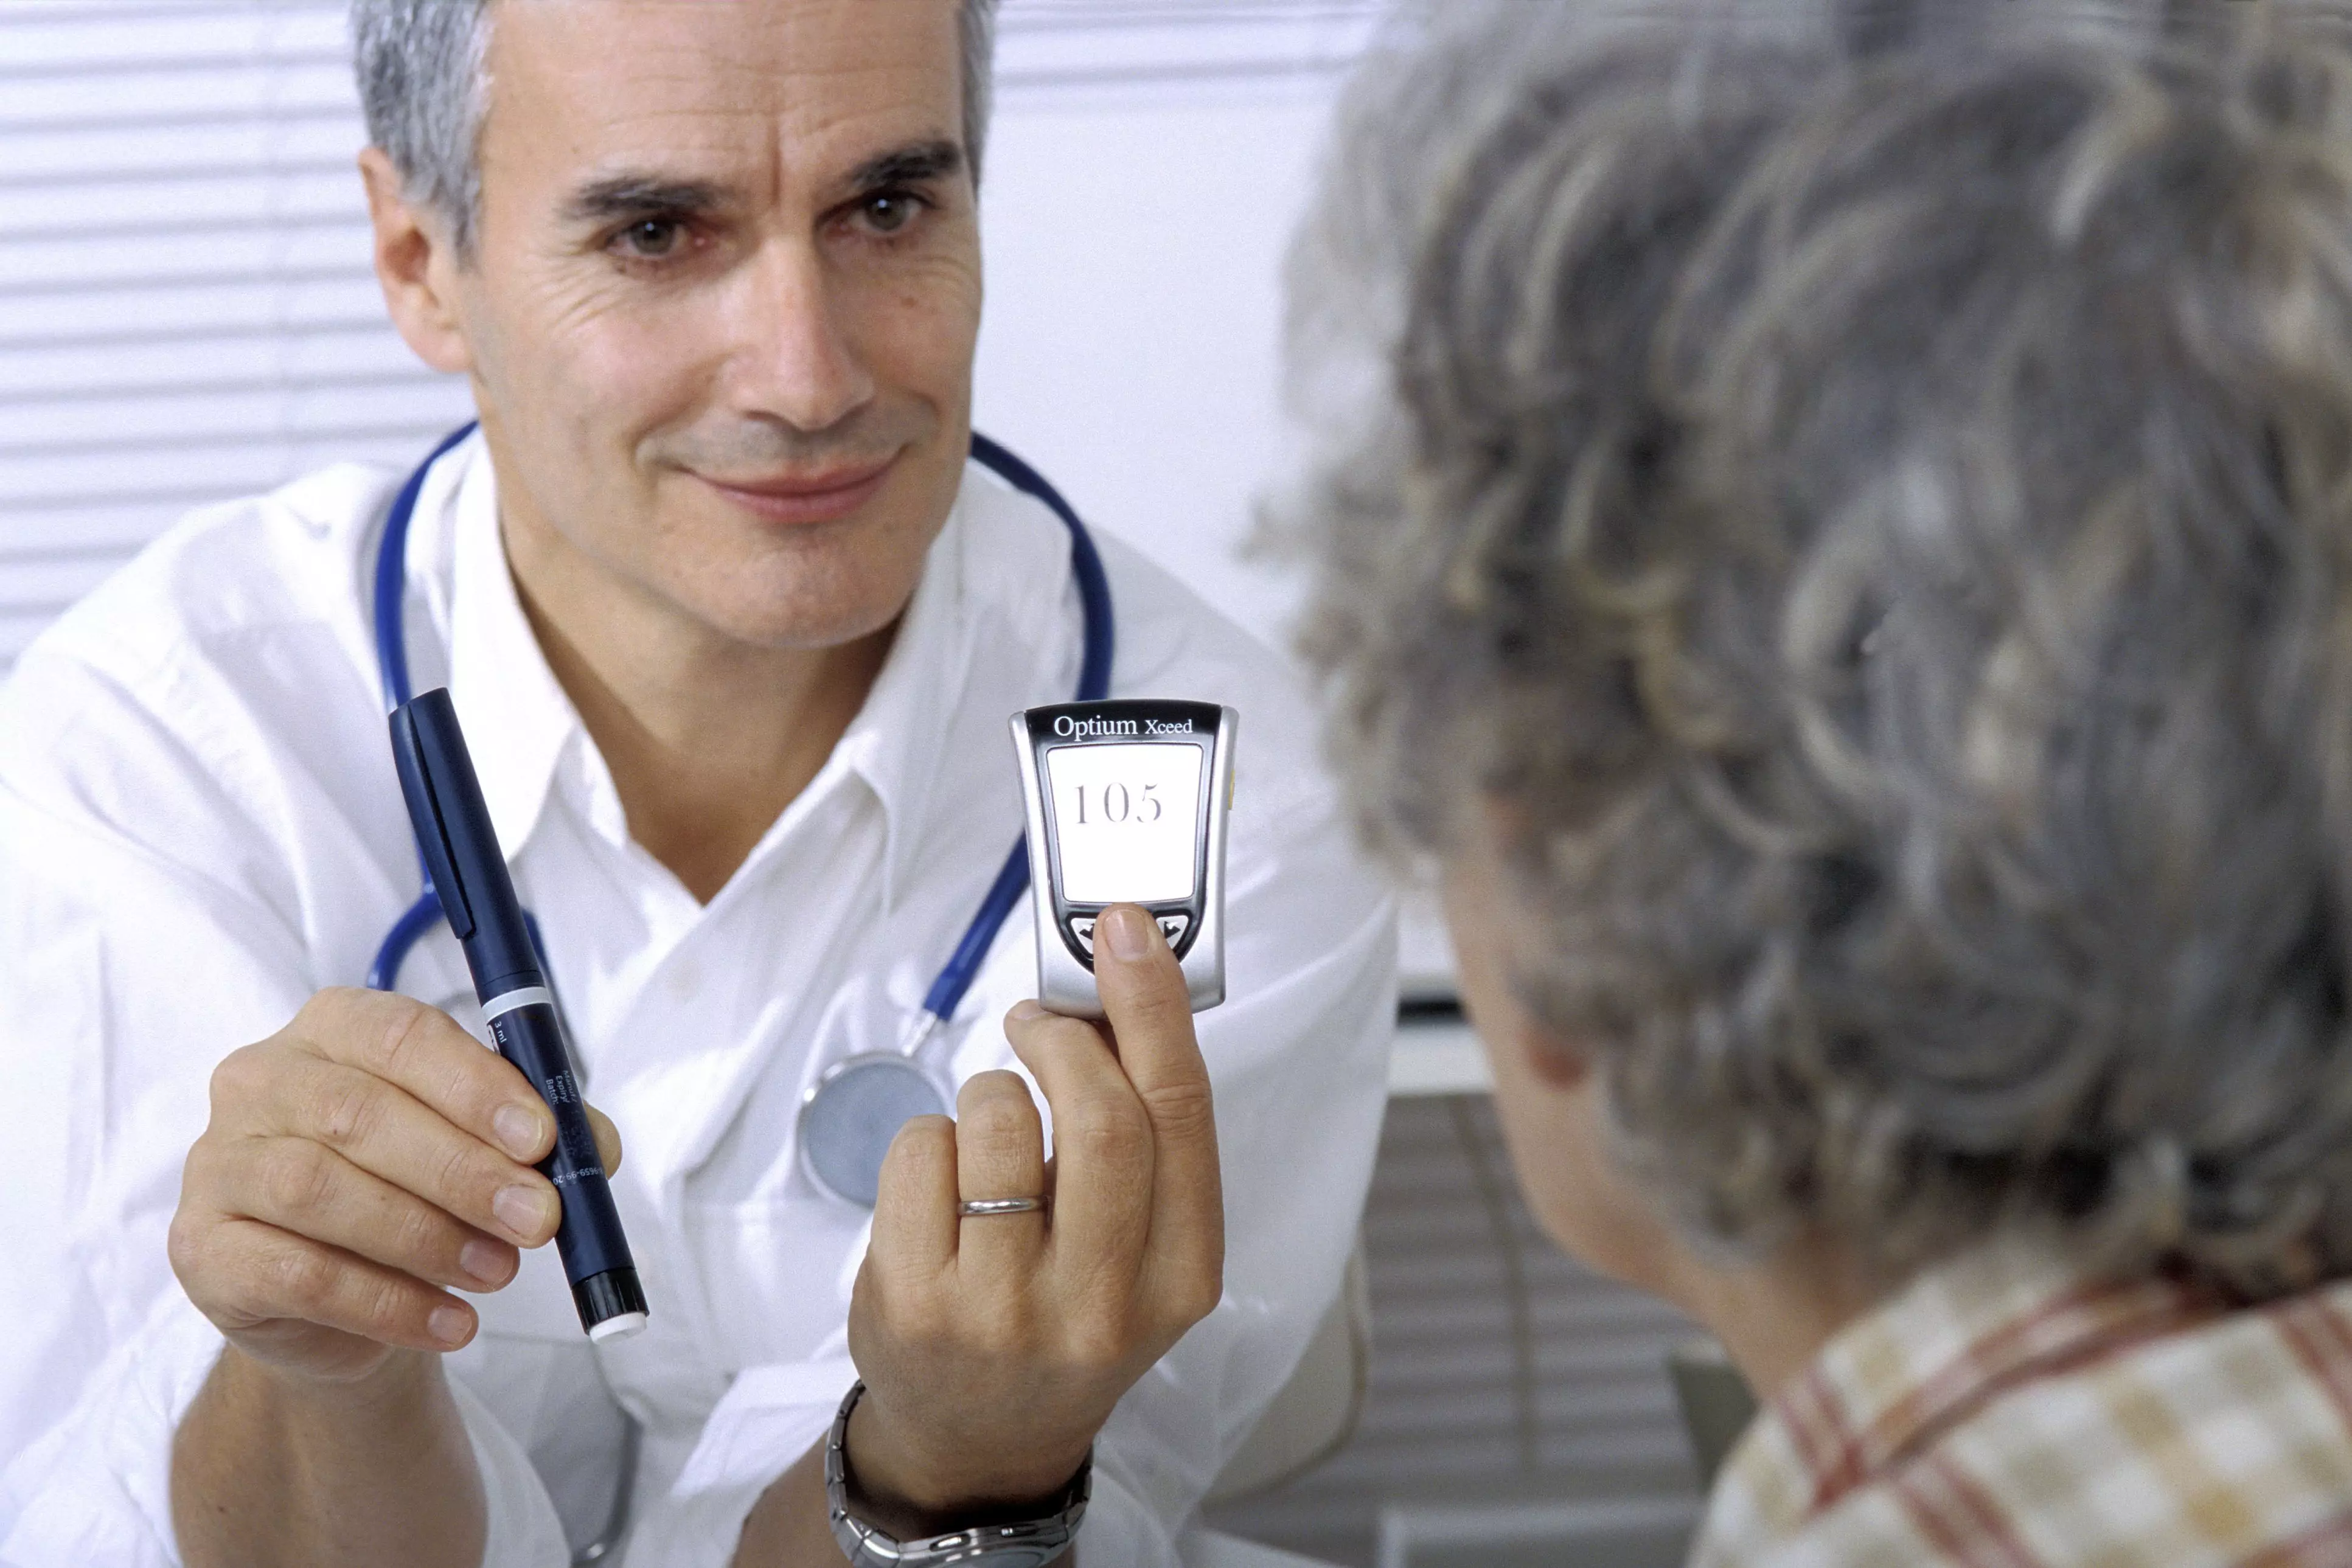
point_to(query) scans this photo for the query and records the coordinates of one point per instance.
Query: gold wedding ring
(968, 1207)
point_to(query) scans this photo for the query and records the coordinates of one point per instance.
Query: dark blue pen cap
(460, 848)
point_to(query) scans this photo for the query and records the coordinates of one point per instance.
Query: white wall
(1149, 163)
(1130, 340)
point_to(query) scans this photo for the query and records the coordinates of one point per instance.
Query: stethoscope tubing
(391, 576)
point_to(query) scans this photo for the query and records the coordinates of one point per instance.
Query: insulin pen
(462, 858)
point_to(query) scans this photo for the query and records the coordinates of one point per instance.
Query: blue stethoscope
(849, 1116)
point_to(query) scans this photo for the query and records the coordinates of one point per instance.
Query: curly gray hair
(1878, 520)
(423, 88)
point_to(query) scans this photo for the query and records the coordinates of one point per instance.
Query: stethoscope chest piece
(853, 1113)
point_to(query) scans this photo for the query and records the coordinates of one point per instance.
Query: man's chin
(817, 586)
(799, 622)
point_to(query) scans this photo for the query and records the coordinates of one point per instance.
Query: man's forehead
(678, 83)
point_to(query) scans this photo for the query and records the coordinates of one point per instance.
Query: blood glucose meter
(1126, 804)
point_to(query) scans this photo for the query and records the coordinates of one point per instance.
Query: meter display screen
(1124, 818)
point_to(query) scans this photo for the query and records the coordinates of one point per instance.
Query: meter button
(1083, 928)
(1173, 926)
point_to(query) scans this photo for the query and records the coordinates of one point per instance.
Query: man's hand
(360, 1164)
(994, 1347)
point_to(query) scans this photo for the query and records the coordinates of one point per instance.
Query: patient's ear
(1493, 945)
(1550, 1060)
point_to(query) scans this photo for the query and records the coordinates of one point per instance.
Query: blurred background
(187, 314)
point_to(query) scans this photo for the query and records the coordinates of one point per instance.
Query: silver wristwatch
(1030, 1543)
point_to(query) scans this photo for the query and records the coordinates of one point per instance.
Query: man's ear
(416, 265)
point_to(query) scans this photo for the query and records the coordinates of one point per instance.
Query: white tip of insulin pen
(620, 1325)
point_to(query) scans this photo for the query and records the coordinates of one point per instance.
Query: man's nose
(796, 362)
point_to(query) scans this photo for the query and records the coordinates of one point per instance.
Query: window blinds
(1503, 1372)
(187, 307)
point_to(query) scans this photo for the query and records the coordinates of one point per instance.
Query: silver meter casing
(1194, 925)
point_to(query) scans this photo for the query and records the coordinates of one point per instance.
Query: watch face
(1123, 821)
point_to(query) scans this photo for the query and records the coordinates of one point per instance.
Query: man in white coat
(733, 627)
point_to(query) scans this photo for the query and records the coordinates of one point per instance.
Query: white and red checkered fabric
(2003, 1412)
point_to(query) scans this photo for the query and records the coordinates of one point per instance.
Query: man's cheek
(922, 331)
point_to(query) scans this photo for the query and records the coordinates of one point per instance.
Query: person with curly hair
(1833, 534)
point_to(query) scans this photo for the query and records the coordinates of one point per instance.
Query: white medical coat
(200, 826)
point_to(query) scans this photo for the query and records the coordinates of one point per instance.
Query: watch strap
(1025, 1543)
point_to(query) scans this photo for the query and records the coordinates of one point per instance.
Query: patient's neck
(1775, 1316)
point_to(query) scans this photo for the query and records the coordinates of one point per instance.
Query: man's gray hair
(1872, 511)
(423, 87)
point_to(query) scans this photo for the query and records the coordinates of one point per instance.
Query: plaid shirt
(2001, 1411)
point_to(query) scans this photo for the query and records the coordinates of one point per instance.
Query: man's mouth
(796, 496)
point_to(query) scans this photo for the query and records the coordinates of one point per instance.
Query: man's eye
(887, 211)
(653, 238)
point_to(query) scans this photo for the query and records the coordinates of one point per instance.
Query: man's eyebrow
(634, 195)
(907, 166)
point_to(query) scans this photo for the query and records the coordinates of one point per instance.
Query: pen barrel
(468, 876)
(589, 1237)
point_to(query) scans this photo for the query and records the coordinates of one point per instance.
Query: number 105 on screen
(1124, 817)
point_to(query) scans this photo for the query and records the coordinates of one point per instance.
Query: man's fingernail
(1026, 1009)
(484, 1262)
(519, 1130)
(1132, 933)
(449, 1325)
(522, 1209)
